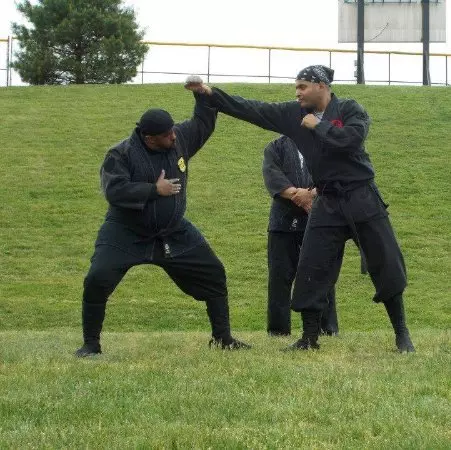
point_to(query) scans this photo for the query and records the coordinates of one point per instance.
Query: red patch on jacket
(337, 123)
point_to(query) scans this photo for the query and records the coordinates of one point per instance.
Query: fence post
(7, 60)
(389, 68)
(208, 65)
(11, 59)
(446, 70)
(269, 66)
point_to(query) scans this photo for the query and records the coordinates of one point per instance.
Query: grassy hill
(53, 142)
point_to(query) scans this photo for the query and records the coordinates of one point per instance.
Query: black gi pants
(323, 248)
(283, 256)
(197, 272)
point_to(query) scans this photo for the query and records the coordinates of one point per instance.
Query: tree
(78, 41)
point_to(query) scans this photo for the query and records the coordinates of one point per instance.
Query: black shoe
(88, 350)
(230, 344)
(278, 333)
(305, 343)
(404, 343)
(329, 333)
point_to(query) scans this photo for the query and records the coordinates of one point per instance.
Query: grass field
(157, 384)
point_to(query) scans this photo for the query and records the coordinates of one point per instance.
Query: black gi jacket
(334, 151)
(282, 168)
(129, 174)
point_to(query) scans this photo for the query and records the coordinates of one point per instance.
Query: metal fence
(6, 51)
(173, 61)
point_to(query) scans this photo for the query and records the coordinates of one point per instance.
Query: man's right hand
(194, 83)
(167, 187)
(303, 198)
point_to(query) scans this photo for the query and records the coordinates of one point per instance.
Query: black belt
(341, 192)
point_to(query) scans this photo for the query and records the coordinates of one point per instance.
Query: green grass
(167, 390)
(156, 384)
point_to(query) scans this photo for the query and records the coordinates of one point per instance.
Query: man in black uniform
(287, 180)
(144, 179)
(330, 133)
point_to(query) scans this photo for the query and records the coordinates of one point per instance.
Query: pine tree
(78, 41)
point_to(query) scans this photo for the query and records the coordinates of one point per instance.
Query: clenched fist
(309, 121)
(194, 83)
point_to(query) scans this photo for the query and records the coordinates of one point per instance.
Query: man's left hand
(309, 121)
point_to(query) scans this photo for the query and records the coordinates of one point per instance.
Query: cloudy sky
(292, 23)
(297, 23)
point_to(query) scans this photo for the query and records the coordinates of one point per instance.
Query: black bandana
(316, 74)
(154, 122)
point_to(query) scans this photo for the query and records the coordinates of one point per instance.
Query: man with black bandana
(288, 180)
(330, 133)
(144, 179)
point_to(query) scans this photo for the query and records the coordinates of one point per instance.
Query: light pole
(360, 41)
(425, 38)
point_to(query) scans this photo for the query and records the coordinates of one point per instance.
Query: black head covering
(316, 74)
(154, 122)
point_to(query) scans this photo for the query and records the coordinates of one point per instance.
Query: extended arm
(278, 117)
(196, 131)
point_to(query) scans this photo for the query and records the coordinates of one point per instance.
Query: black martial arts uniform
(142, 227)
(348, 204)
(284, 167)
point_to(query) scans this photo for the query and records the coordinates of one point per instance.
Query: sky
(291, 23)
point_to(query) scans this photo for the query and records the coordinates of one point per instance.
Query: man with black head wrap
(144, 179)
(330, 133)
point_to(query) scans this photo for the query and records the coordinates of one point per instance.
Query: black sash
(341, 192)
